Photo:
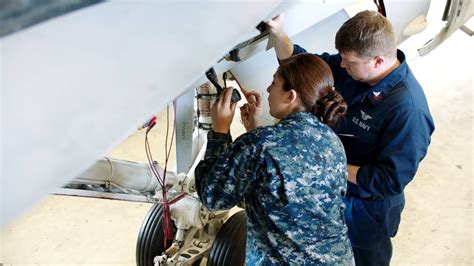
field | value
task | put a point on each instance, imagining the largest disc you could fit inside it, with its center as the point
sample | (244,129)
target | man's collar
(379,91)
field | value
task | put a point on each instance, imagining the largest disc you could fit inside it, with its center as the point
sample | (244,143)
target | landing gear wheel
(228,247)
(150,242)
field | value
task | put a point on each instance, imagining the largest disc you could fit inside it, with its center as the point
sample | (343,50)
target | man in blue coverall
(386,131)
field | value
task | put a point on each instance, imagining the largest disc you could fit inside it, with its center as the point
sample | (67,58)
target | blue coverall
(386,131)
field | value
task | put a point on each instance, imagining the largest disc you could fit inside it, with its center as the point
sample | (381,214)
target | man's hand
(275,25)
(251,111)
(352,173)
(283,45)
(222,112)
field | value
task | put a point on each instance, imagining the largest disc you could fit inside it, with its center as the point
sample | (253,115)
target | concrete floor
(437,223)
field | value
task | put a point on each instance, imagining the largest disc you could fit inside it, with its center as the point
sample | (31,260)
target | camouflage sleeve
(225,175)
(216,143)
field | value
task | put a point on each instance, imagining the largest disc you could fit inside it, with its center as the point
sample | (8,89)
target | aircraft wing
(76,84)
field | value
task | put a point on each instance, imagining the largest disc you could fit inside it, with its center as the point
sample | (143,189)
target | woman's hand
(251,111)
(252,96)
(222,112)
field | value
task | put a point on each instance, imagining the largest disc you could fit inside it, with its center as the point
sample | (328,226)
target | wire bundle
(167,223)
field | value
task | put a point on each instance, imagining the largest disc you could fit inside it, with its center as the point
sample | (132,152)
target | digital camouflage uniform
(292,176)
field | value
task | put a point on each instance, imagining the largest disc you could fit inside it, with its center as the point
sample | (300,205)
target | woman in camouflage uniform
(291,175)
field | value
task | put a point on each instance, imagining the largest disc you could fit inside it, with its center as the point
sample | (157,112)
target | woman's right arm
(227,174)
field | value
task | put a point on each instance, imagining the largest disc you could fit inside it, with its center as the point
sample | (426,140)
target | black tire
(150,242)
(228,247)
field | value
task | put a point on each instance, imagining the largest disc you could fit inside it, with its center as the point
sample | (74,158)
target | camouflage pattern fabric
(292,176)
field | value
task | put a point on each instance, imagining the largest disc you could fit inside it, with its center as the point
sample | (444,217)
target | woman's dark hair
(312,80)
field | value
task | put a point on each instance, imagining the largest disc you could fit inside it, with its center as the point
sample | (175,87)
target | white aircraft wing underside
(75,86)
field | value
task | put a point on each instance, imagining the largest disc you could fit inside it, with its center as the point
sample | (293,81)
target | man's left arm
(403,144)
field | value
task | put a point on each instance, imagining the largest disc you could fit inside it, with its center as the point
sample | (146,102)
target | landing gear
(222,243)
(151,237)
(228,247)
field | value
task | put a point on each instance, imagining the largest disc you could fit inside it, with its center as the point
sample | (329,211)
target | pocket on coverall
(364,230)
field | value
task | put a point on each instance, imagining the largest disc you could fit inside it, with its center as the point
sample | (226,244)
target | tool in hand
(212,76)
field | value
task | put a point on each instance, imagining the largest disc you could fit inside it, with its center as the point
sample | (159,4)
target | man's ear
(292,96)
(378,61)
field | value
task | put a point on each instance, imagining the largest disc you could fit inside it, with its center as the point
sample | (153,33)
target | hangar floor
(437,223)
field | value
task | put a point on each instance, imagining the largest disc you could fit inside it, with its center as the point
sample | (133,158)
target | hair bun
(330,107)
(328,97)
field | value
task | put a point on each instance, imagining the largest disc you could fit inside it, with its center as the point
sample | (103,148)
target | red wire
(168,229)
(167,223)
(151,161)
(173,201)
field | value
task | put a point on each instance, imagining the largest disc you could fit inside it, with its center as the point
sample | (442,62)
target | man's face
(359,68)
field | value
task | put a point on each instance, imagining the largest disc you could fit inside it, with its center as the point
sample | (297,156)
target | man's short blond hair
(368,34)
